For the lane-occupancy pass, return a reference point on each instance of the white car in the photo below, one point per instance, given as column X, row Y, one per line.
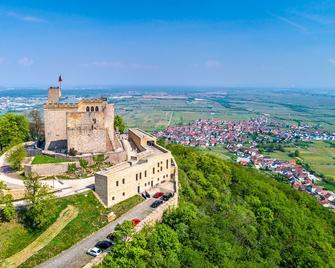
column 94, row 251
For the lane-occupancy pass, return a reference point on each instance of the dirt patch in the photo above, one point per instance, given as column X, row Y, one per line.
column 66, row 216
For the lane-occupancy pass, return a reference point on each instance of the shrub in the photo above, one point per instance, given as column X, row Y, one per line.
column 15, row 156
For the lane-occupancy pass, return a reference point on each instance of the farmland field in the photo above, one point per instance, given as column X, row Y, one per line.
column 159, row 110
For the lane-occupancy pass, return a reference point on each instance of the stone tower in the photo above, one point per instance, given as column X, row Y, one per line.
column 54, row 94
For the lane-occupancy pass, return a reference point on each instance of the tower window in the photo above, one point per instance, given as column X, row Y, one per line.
column 96, row 108
column 87, row 109
column 92, row 109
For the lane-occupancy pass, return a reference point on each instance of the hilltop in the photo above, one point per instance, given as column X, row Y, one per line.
column 232, row 216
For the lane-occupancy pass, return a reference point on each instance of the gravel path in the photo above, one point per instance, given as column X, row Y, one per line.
column 76, row 256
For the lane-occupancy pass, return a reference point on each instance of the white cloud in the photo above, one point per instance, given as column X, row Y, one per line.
column 112, row 64
column 25, row 61
column 27, row 18
column 211, row 63
column 118, row 65
column 332, row 61
column 291, row 23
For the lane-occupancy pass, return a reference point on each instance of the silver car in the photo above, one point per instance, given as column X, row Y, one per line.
column 94, row 251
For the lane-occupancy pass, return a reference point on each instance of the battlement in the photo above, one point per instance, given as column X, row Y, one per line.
column 53, row 105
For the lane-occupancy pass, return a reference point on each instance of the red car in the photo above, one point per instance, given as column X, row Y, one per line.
column 158, row 194
column 135, row 221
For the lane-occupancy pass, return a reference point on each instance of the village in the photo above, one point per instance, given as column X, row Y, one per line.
column 242, row 139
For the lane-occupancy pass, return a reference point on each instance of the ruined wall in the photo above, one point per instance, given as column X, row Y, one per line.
column 86, row 132
column 52, row 169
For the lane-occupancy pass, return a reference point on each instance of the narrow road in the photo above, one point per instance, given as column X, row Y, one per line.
column 76, row 257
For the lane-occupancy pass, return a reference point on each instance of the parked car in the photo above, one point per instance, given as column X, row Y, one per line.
column 166, row 196
column 147, row 194
column 135, row 221
column 94, row 251
column 144, row 195
column 111, row 237
column 156, row 203
column 158, row 194
column 103, row 245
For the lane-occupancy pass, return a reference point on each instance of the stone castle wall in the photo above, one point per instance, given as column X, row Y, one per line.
column 86, row 132
column 55, row 128
column 52, row 169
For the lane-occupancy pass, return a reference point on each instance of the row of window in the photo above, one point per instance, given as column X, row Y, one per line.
column 92, row 109
column 123, row 182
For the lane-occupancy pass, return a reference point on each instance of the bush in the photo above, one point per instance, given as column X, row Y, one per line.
column 15, row 156
column 71, row 168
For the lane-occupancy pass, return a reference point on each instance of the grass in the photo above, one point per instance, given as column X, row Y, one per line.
column 91, row 217
column 15, row 237
column 66, row 216
column 44, row 159
column 327, row 185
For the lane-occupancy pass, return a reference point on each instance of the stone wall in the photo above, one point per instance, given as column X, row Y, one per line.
column 55, row 127
column 51, row 169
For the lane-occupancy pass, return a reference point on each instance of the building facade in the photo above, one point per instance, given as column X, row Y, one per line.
column 151, row 167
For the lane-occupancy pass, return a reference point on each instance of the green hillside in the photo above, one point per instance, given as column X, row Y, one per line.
column 230, row 216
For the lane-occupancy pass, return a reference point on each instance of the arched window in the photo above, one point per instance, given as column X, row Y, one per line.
column 87, row 109
column 92, row 109
column 96, row 108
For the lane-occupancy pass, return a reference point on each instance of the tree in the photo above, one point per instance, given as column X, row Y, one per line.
column 124, row 231
column 119, row 124
column 14, row 129
column 36, row 125
column 8, row 211
column 99, row 161
column 15, row 156
column 296, row 153
column 83, row 163
column 41, row 204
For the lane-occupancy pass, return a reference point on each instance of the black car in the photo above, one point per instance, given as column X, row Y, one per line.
column 156, row 204
column 147, row 194
column 111, row 236
column 144, row 196
column 166, row 196
column 103, row 245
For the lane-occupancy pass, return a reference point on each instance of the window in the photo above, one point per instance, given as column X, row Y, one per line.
column 87, row 109
column 123, row 181
column 153, row 170
column 96, row 108
column 145, row 173
column 123, row 193
column 161, row 168
column 140, row 175
column 117, row 183
column 136, row 176
column 158, row 164
column 92, row 109
column 167, row 163
column 113, row 197
column 145, row 184
column 157, row 179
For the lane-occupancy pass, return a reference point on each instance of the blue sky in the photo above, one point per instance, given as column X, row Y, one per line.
column 272, row 43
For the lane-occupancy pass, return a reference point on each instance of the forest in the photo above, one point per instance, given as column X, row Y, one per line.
column 232, row 216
